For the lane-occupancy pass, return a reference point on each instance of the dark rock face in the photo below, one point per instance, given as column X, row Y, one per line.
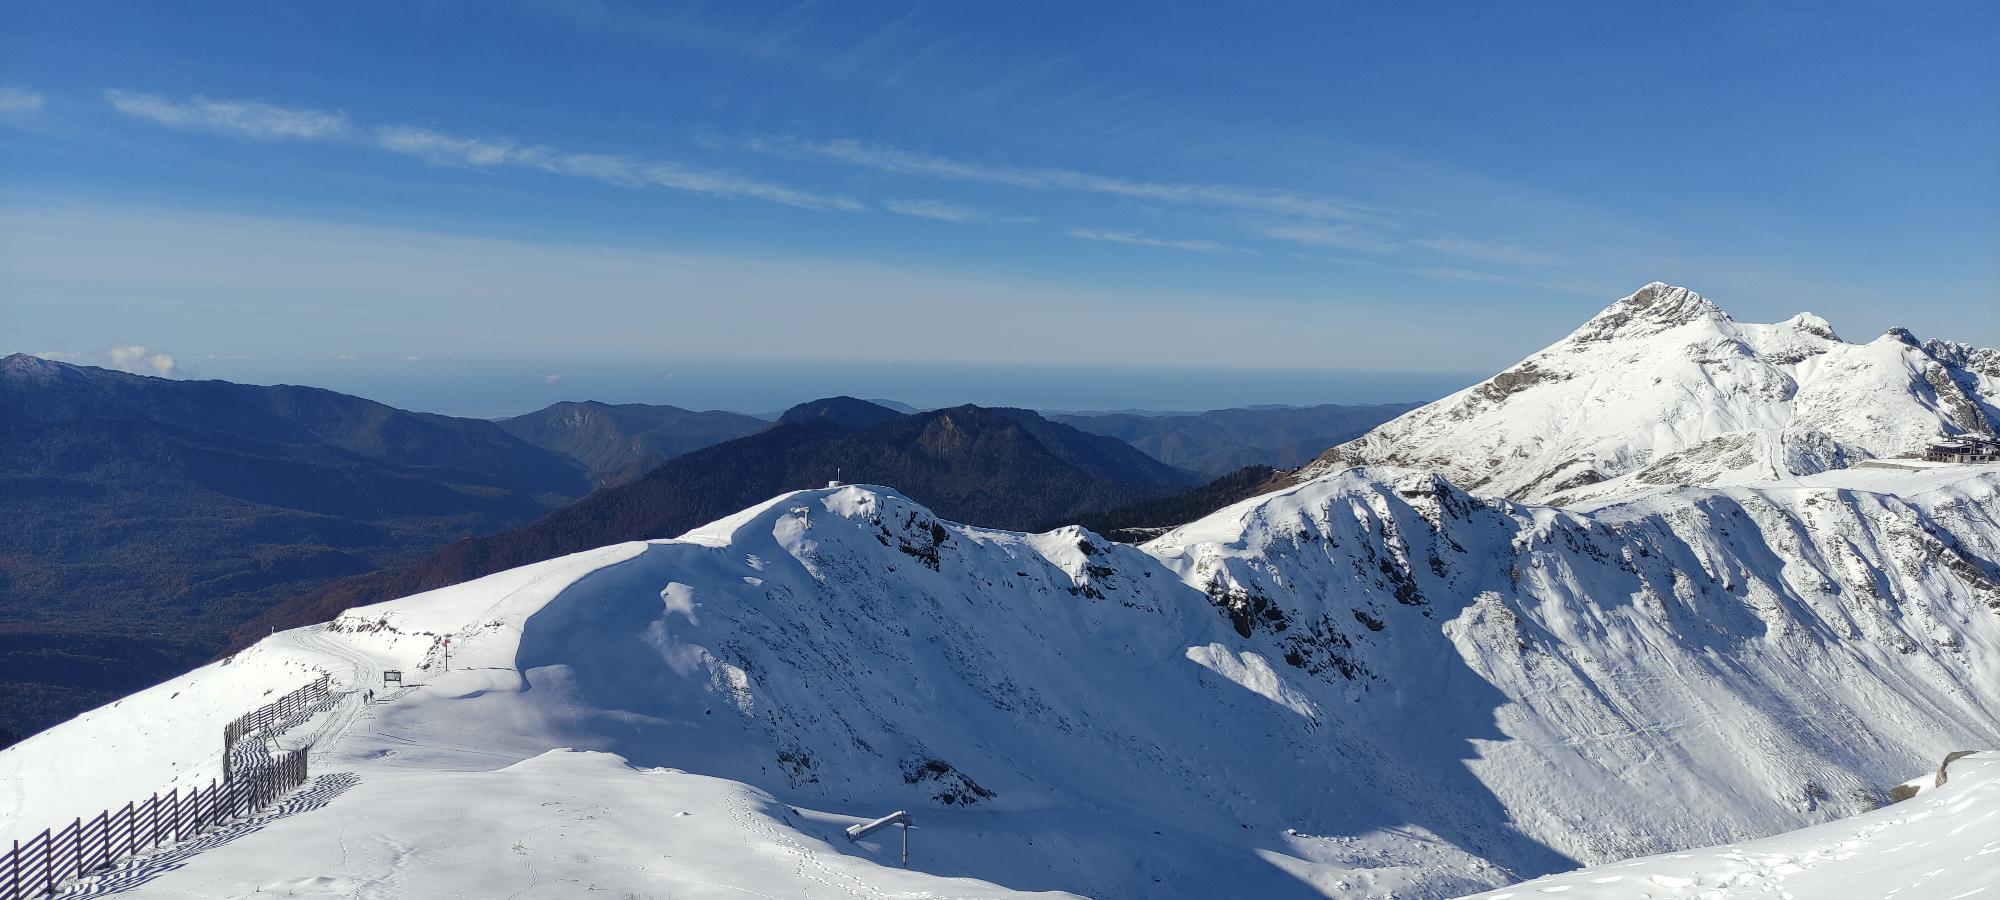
column 1653, row 308
column 1514, row 381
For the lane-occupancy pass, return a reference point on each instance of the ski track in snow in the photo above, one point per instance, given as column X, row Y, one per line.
column 1919, row 849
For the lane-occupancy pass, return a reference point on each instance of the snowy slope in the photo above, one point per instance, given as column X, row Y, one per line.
column 1944, row 844
column 1663, row 388
column 1373, row 683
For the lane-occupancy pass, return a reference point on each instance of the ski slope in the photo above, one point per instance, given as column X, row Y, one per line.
column 1943, row 844
column 1371, row 684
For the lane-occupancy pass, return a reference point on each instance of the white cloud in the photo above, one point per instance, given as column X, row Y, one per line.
column 1486, row 251
column 941, row 210
column 1338, row 237
column 245, row 118
column 447, row 150
column 906, row 162
column 134, row 358
column 1136, row 239
column 263, row 121
column 552, row 378
column 623, row 171
column 20, row 100
column 126, row 358
column 1348, row 237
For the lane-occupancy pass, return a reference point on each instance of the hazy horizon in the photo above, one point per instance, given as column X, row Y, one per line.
column 490, row 389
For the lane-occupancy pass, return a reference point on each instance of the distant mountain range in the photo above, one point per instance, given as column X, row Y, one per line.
column 147, row 515
column 1221, row 441
column 1002, row 468
column 158, row 515
column 617, row 444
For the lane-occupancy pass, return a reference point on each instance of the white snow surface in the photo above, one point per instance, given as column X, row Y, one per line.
column 1943, row 845
column 1370, row 684
column 1663, row 389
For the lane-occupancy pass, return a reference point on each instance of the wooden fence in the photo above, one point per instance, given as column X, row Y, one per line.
column 38, row 866
column 276, row 711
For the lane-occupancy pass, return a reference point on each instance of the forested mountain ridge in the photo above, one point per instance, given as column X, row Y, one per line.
column 149, row 515
column 1003, row 468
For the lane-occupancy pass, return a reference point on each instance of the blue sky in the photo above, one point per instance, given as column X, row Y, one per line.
column 1232, row 203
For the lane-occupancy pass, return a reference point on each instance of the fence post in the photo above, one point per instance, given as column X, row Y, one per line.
column 79, row 846
column 49, row 858
column 14, row 873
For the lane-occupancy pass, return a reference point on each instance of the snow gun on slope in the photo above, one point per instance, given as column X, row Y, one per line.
column 899, row 817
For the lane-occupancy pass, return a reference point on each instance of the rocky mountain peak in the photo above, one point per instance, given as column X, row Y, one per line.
column 1650, row 310
column 1664, row 388
column 1812, row 324
column 22, row 365
column 1901, row 335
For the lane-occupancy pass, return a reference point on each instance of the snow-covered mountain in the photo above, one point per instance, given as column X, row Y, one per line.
column 1371, row 683
column 1663, row 388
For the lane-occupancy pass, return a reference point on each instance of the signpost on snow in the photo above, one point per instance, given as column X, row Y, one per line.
column 899, row 817
column 392, row 675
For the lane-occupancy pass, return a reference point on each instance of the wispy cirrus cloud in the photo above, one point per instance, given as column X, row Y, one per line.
column 624, row 171
column 898, row 161
column 1336, row 237
column 20, row 100
column 264, row 121
column 956, row 213
column 1386, row 243
column 941, row 210
column 1300, row 218
column 244, row 118
column 1140, row 240
column 1487, row 251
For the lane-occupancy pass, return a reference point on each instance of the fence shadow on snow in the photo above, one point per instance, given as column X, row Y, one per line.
column 253, row 780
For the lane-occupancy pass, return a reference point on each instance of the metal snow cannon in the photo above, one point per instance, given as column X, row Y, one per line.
column 899, row 817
